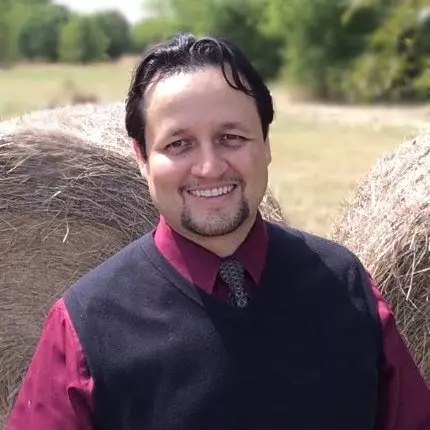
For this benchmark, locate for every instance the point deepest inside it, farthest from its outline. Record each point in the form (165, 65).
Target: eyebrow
(232, 125)
(229, 125)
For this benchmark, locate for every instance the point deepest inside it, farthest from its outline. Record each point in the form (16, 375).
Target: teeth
(213, 192)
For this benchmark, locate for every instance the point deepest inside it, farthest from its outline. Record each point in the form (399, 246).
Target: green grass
(315, 165)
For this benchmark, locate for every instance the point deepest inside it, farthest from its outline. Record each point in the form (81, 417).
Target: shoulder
(111, 275)
(322, 261)
(305, 246)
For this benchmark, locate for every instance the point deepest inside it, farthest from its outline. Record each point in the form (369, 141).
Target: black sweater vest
(166, 356)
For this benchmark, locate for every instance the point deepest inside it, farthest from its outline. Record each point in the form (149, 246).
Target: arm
(403, 398)
(56, 390)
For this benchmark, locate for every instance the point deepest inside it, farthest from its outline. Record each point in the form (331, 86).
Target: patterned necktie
(233, 275)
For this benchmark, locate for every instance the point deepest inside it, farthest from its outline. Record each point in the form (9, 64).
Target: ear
(140, 158)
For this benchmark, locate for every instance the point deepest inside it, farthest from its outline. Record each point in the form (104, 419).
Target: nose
(209, 163)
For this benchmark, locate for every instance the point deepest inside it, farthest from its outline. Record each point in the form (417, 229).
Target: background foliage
(344, 50)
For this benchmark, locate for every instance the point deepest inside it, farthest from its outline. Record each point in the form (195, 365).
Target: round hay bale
(71, 195)
(98, 123)
(387, 224)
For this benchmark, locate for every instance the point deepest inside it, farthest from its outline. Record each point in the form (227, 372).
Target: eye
(178, 146)
(232, 139)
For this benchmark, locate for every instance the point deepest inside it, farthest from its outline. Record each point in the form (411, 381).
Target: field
(319, 151)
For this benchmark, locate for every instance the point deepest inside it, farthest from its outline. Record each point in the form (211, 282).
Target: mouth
(213, 192)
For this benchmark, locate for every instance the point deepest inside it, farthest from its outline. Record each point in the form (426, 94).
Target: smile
(213, 192)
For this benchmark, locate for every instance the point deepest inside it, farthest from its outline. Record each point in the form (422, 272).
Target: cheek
(163, 175)
(251, 165)
(254, 170)
(268, 154)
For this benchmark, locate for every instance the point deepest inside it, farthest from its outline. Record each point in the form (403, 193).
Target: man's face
(207, 160)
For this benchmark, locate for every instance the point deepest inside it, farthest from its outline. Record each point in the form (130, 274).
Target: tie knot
(230, 269)
(232, 274)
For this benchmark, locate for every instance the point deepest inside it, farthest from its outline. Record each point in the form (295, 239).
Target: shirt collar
(200, 266)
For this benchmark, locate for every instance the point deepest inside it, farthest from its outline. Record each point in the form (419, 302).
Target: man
(217, 319)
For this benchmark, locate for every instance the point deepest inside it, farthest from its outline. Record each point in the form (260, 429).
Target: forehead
(197, 92)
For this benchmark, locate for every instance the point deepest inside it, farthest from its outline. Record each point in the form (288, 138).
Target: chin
(212, 227)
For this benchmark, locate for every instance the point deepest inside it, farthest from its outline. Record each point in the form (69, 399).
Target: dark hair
(184, 52)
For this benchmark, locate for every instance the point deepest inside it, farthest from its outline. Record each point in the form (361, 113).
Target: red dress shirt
(56, 390)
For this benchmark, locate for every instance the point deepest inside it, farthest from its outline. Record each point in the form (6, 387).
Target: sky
(131, 9)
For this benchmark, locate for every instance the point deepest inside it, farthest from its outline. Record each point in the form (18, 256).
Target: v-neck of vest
(273, 265)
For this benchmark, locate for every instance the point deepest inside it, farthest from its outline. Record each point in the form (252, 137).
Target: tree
(319, 41)
(237, 20)
(117, 30)
(5, 32)
(152, 30)
(394, 66)
(40, 35)
(82, 40)
(192, 15)
(13, 15)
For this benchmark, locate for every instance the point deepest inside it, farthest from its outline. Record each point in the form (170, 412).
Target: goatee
(216, 224)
